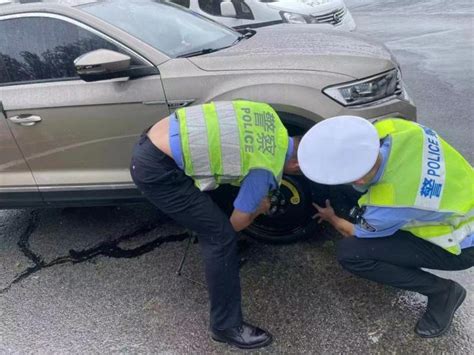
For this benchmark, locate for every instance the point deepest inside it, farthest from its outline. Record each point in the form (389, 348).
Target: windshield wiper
(246, 33)
(241, 37)
(199, 52)
(249, 33)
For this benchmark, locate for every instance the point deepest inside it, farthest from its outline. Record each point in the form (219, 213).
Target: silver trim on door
(17, 189)
(87, 187)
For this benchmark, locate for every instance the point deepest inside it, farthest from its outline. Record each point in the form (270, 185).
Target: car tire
(293, 219)
(289, 225)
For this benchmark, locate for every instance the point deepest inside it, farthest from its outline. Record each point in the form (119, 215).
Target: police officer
(417, 211)
(196, 149)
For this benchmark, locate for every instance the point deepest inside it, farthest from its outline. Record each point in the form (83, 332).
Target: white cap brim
(338, 150)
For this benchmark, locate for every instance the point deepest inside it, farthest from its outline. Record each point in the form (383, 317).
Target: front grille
(334, 17)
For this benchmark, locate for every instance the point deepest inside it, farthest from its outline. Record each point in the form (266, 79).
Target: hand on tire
(264, 207)
(324, 213)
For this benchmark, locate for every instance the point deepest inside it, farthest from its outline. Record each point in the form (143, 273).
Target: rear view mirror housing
(102, 64)
(228, 9)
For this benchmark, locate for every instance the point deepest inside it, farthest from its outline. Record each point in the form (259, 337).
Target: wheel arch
(297, 104)
(295, 124)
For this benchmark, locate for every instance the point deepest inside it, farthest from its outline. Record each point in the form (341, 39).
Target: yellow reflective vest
(223, 141)
(425, 172)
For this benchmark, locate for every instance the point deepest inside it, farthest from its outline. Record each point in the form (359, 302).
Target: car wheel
(289, 219)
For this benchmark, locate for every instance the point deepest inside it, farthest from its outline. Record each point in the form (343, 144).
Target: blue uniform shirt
(175, 141)
(255, 185)
(385, 221)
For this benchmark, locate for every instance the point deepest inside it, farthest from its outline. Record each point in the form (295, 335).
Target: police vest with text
(425, 172)
(223, 141)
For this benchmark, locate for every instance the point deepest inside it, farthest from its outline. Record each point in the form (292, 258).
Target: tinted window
(184, 3)
(243, 10)
(212, 7)
(42, 48)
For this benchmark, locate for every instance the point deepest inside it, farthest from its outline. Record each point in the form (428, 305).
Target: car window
(36, 49)
(172, 29)
(243, 10)
(212, 7)
(184, 3)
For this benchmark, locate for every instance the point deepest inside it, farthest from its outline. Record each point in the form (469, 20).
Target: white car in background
(241, 14)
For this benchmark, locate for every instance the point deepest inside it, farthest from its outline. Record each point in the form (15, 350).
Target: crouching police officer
(419, 195)
(196, 149)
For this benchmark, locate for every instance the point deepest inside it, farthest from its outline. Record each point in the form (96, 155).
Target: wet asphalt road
(96, 280)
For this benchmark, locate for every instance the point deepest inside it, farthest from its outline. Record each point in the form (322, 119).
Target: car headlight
(374, 89)
(292, 17)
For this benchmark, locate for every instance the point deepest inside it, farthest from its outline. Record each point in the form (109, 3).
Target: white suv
(259, 13)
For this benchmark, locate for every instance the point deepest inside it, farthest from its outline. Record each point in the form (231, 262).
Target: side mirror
(228, 9)
(102, 64)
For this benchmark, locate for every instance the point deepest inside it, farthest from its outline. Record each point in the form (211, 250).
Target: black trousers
(397, 261)
(161, 181)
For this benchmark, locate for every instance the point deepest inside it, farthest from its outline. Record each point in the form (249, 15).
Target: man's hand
(324, 213)
(327, 213)
(264, 207)
(241, 220)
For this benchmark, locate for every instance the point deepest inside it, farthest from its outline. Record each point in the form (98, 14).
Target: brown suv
(78, 84)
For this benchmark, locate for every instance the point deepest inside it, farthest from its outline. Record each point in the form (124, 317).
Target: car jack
(192, 239)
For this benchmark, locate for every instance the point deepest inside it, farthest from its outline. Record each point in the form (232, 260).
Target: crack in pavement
(107, 248)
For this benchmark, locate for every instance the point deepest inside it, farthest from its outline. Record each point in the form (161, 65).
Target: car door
(76, 136)
(17, 185)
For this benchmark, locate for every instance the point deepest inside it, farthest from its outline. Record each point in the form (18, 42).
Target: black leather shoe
(440, 311)
(245, 337)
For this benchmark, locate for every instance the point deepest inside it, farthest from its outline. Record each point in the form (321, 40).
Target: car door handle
(25, 120)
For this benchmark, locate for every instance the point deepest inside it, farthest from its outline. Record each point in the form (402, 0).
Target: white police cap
(338, 150)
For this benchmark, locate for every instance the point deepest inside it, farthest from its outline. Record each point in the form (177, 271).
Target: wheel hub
(278, 204)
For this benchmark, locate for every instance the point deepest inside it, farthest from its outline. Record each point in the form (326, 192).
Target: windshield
(167, 27)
